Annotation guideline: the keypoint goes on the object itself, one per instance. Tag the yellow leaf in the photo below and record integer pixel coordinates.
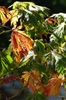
(33, 81)
(4, 14)
(25, 77)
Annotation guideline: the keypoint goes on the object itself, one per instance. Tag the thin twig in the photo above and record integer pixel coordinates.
(4, 94)
(16, 94)
(5, 31)
(4, 26)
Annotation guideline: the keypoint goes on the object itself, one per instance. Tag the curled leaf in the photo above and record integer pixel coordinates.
(51, 20)
(21, 44)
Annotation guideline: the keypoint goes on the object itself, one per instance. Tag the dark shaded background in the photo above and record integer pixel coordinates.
(55, 5)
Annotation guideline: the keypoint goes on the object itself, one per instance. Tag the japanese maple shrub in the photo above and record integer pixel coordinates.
(36, 51)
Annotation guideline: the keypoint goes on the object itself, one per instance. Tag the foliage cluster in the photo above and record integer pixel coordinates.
(36, 53)
(54, 5)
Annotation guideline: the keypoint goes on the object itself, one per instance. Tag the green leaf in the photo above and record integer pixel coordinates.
(61, 17)
(9, 58)
(41, 68)
(60, 62)
(30, 96)
(37, 96)
(23, 63)
(6, 62)
(60, 30)
(3, 67)
(17, 4)
(59, 33)
(40, 96)
(43, 10)
(39, 47)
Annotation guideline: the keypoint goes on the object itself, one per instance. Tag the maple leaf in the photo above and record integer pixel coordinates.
(53, 87)
(33, 80)
(4, 14)
(14, 18)
(21, 44)
(31, 85)
(25, 78)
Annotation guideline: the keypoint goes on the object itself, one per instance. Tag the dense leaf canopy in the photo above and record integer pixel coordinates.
(36, 52)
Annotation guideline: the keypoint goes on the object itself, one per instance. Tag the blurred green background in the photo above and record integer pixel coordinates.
(55, 5)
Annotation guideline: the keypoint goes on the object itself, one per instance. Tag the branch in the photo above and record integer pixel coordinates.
(16, 94)
(4, 94)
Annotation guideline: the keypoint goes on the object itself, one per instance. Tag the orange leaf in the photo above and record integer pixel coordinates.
(25, 78)
(36, 82)
(31, 85)
(35, 75)
(53, 87)
(4, 14)
(33, 80)
(21, 44)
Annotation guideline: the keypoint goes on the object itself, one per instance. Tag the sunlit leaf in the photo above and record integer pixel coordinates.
(33, 80)
(4, 66)
(21, 44)
(27, 58)
(60, 62)
(30, 15)
(60, 31)
(14, 18)
(61, 17)
(6, 62)
(53, 87)
(26, 77)
(4, 14)
(17, 4)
